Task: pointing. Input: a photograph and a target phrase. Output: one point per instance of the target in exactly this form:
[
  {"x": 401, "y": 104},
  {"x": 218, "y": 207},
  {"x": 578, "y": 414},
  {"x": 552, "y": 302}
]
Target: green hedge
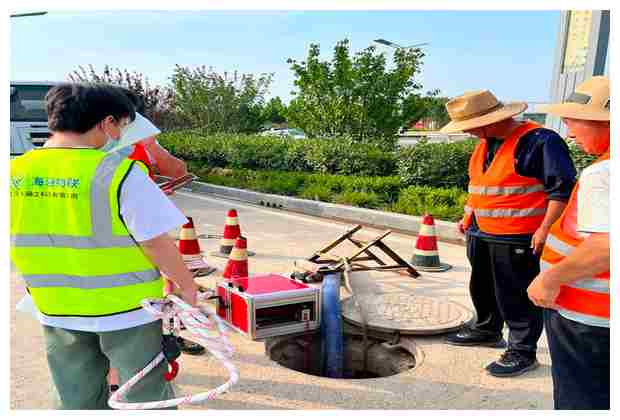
[
  {"x": 425, "y": 164},
  {"x": 580, "y": 158},
  {"x": 382, "y": 193},
  {"x": 337, "y": 156},
  {"x": 436, "y": 164},
  {"x": 442, "y": 203}
]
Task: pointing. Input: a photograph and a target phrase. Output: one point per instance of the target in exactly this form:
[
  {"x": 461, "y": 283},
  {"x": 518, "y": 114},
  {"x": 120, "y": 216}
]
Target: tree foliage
[
  {"x": 158, "y": 101},
  {"x": 357, "y": 97},
  {"x": 228, "y": 102},
  {"x": 436, "y": 108},
  {"x": 274, "y": 111}
]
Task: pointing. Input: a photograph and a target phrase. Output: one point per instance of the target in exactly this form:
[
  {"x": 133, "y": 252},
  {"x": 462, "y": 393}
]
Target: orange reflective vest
[
  {"x": 504, "y": 202},
  {"x": 140, "y": 154},
  {"x": 586, "y": 300}
]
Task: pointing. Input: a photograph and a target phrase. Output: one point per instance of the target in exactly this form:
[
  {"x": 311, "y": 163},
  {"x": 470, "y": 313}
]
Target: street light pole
[
  {"x": 395, "y": 45},
  {"x": 28, "y": 14}
]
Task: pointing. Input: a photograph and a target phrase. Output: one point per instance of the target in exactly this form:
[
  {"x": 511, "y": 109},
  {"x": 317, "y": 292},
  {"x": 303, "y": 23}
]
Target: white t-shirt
[
  {"x": 593, "y": 199},
  {"x": 147, "y": 213}
]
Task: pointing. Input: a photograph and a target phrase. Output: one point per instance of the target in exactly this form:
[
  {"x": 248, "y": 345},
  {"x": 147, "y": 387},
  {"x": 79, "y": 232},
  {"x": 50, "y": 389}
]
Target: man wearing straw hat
[
  {"x": 573, "y": 286},
  {"x": 521, "y": 176}
]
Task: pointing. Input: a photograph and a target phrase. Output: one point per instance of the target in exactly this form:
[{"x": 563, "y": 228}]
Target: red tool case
[{"x": 268, "y": 306}]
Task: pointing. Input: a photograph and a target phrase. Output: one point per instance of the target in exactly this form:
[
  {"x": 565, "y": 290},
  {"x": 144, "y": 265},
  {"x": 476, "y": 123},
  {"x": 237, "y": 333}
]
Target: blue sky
[{"x": 509, "y": 52}]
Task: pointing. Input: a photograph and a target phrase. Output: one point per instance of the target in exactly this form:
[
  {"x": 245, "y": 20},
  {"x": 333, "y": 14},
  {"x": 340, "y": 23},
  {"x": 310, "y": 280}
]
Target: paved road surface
[{"x": 446, "y": 377}]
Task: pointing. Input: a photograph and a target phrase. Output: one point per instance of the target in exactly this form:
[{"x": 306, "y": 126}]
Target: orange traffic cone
[
  {"x": 425, "y": 254},
  {"x": 190, "y": 250},
  {"x": 232, "y": 231},
  {"x": 237, "y": 265}
]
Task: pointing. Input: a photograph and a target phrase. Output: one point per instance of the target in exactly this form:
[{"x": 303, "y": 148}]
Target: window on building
[{"x": 577, "y": 41}]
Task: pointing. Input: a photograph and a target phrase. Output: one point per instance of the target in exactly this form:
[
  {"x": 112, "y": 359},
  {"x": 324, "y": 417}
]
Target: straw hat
[
  {"x": 590, "y": 101},
  {"x": 478, "y": 109}
]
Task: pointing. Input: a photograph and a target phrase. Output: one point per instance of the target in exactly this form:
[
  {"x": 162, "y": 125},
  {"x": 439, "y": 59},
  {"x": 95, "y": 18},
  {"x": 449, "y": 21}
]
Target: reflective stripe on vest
[
  {"x": 503, "y": 201},
  {"x": 510, "y": 212},
  {"x": 558, "y": 246},
  {"x": 101, "y": 222},
  {"x": 99, "y": 272},
  {"x": 593, "y": 284},
  {"x": 586, "y": 300},
  {"x": 482, "y": 190},
  {"x": 90, "y": 282}
]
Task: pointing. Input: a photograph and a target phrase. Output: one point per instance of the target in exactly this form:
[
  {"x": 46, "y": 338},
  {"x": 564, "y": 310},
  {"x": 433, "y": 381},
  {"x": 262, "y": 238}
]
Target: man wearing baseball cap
[
  {"x": 521, "y": 175},
  {"x": 573, "y": 285}
]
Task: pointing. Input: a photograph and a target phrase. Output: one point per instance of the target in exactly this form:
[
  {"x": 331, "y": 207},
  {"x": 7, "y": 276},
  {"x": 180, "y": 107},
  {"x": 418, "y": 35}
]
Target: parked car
[
  {"x": 285, "y": 132},
  {"x": 28, "y": 116}
]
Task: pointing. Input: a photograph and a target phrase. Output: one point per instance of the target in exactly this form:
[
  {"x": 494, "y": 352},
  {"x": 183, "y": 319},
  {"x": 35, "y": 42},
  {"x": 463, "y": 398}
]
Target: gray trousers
[{"x": 79, "y": 362}]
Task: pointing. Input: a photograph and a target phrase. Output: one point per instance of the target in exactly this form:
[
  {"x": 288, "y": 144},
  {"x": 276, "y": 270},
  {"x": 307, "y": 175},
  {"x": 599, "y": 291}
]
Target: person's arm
[
  {"x": 167, "y": 164},
  {"x": 149, "y": 215},
  {"x": 590, "y": 258},
  {"x": 162, "y": 252},
  {"x": 554, "y": 211},
  {"x": 543, "y": 154}
]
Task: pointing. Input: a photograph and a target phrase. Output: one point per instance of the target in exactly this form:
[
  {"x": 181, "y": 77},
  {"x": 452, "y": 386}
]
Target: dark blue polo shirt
[{"x": 540, "y": 154}]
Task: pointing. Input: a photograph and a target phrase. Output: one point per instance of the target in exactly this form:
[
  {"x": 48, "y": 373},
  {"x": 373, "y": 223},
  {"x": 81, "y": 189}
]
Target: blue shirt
[{"x": 540, "y": 154}]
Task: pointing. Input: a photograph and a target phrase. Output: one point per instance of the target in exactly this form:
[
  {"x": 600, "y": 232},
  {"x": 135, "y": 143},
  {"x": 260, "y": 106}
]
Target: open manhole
[{"x": 303, "y": 353}]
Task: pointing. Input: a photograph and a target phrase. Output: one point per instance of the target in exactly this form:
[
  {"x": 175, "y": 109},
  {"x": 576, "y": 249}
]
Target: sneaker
[
  {"x": 471, "y": 337},
  {"x": 512, "y": 363},
  {"x": 189, "y": 347}
]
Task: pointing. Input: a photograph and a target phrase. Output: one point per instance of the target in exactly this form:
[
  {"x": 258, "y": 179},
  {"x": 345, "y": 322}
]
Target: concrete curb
[{"x": 446, "y": 231}]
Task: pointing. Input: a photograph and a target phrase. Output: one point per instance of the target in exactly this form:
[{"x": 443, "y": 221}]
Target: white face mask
[{"x": 111, "y": 141}]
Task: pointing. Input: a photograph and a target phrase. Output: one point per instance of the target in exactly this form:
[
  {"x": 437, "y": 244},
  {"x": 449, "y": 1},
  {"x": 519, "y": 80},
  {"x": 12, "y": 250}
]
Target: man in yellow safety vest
[{"x": 89, "y": 238}]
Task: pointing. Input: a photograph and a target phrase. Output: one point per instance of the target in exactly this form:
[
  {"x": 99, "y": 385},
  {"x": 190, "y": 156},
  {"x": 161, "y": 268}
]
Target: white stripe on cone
[
  {"x": 189, "y": 257},
  {"x": 231, "y": 221},
  {"x": 427, "y": 230},
  {"x": 187, "y": 234},
  {"x": 426, "y": 253},
  {"x": 227, "y": 242},
  {"x": 238, "y": 254}
]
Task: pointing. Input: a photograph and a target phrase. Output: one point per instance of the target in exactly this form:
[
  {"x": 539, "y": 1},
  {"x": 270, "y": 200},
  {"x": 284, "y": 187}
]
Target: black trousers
[
  {"x": 501, "y": 273},
  {"x": 579, "y": 363}
]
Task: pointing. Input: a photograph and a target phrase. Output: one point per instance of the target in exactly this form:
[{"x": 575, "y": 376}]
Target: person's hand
[
  {"x": 543, "y": 292},
  {"x": 169, "y": 286},
  {"x": 538, "y": 239},
  {"x": 460, "y": 227},
  {"x": 189, "y": 293}
]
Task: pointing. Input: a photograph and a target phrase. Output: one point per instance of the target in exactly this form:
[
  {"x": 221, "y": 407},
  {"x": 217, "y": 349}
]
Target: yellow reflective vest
[{"x": 68, "y": 239}]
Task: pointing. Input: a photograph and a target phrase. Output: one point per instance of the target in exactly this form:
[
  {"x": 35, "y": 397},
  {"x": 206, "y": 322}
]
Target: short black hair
[
  {"x": 78, "y": 107},
  {"x": 136, "y": 99}
]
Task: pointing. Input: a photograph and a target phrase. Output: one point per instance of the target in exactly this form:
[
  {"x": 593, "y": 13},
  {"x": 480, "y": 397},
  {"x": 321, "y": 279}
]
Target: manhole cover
[{"x": 406, "y": 313}]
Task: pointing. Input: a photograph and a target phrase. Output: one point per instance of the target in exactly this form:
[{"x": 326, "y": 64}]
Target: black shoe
[
  {"x": 189, "y": 347},
  {"x": 470, "y": 337},
  {"x": 113, "y": 388},
  {"x": 512, "y": 363}
]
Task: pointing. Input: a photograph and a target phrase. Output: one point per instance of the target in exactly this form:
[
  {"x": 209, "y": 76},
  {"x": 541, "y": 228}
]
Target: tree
[
  {"x": 274, "y": 111},
  {"x": 158, "y": 101},
  {"x": 436, "y": 106},
  {"x": 355, "y": 96},
  {"x": 220, "y": 103}
]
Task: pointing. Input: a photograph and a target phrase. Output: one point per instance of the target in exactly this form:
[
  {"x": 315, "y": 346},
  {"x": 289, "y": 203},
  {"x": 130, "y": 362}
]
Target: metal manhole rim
[
  {"x": 352, "y": 315},
  {"x": 413, "y": 348}
]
